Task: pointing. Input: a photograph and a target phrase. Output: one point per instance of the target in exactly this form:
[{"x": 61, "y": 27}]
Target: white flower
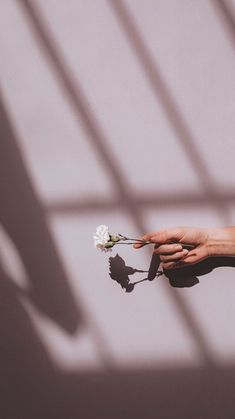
[
  {"x": 104, "y": 241},
  {"x": 102, "y": 238}
]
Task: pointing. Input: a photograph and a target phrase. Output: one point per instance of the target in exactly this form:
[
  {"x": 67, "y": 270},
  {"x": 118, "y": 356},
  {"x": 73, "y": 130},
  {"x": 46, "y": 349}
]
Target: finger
[
  {"x": 147, "y": 236},
  {"x": 180, "y": 263},
  {"x": 138, "y": 245},
  {"x": 163, "y": 236},
  {"x": 167, "y": 235},
  {"x": 168, "y": 248},
  {"x": 174, "y": 257},
  {"x": 173, "y": 265},
  {"x": 193, "y": 257},
  {"x": 158, "y": 235},
  {"x": 197, "y": 254}
]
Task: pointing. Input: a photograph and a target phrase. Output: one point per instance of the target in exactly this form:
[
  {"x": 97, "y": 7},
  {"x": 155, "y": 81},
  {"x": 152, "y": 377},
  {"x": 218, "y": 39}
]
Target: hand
[{"x": 206, "y": 241}]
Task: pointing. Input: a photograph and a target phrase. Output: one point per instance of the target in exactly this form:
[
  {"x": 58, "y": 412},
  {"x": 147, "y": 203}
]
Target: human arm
[{"x": 206, "y": 242}]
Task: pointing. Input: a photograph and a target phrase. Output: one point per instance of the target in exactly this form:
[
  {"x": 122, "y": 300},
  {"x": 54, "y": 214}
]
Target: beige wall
[{"x": 120, "y": 113}]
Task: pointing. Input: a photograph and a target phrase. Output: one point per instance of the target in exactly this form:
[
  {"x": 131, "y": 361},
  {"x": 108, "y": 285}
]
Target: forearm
[{"x": 221, "y": 241}]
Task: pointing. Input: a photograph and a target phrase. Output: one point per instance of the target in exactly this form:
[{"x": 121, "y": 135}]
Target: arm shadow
[{"x": 187, "y": 277}]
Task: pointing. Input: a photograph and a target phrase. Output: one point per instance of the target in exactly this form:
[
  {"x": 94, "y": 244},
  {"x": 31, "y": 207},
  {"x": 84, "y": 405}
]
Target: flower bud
[
  {"x": 109, "y": 244},
  {"x": 115, "y": 238}
]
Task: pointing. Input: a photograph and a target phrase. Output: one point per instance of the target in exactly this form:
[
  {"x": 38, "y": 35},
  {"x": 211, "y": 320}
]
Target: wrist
[{"x": 221, "y": 241}]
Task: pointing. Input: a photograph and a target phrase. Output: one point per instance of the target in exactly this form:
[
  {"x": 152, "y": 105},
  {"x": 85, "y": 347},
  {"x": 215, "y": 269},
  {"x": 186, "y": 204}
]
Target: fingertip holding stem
[
  {"x": 185, "y": 252},
  {"x": 141, "y": 243}
]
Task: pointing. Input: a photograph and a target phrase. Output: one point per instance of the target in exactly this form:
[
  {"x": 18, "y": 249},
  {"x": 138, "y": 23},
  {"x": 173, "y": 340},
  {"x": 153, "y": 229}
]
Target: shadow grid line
[{"x": 77, "y": 101}]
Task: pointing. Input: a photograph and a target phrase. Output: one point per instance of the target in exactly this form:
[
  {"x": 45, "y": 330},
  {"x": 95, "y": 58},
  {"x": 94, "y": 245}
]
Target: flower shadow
[{"x": 120, "y": 272}]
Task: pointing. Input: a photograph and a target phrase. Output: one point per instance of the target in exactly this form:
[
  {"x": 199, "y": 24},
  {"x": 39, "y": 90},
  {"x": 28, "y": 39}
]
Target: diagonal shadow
[
  {"x": 37, "y": 391},
  {"x": 77, "y": 101},
  {"x": 162, "y": 94},
  {"x": 226, "y": 14},
  {"x": 74, "y": 94},
  {"x": 23, "y": 218}
]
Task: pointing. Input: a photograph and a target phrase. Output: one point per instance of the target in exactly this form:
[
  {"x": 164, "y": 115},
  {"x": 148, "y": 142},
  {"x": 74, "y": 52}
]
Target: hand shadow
[
  {"x": 120, "y": 272},
  {"x": 186, "y": 277}
]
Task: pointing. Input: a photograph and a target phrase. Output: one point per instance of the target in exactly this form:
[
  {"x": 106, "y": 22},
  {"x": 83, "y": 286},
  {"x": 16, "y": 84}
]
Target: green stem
[
  {"x": 135, "y": 240},
  {"x": 131, "y": 243},
  {"x": 144, "y": 242}
]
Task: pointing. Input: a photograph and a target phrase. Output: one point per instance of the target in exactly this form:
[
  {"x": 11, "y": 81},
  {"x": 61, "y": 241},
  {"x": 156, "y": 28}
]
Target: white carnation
[{"x": 101, "y": 237}]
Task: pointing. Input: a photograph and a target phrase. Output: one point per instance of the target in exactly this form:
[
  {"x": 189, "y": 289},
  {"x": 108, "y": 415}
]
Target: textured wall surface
[{"x": 117, "y": 112}]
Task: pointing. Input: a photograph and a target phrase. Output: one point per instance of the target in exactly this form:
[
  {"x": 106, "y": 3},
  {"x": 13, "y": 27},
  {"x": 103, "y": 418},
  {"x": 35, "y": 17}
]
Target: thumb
[{"x": 167, "y": 235}]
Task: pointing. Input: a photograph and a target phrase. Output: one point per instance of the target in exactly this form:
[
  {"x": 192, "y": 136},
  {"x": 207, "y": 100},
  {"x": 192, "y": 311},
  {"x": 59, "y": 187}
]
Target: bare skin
[{"x": 207, "y": 242}]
